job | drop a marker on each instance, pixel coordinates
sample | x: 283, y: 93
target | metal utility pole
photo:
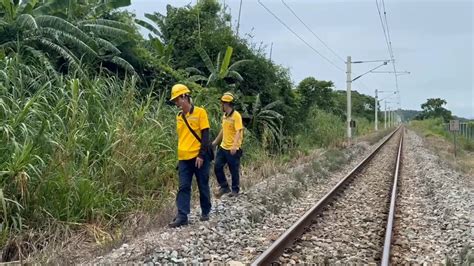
x: 376, y: 110
x: 349, y: 82
x: 389, y: 117
x: 271, y: 51
x: 238, y: 21
x: 385, y: 116
x: 377, y: 101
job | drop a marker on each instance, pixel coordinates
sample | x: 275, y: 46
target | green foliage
x: 363, y: 106
x: 321, y: 129
x: 218, y: 72
x: 433, y: 108
x: 80, y: 151
x: 61, y: 45
x: 437, y: 127
x: 317, y: 93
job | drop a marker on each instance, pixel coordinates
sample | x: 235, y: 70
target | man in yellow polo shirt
x: 192, y: 126
x: 229, y: 152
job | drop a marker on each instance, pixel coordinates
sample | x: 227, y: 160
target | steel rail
x: 277, y: 248
x: 391, y: 214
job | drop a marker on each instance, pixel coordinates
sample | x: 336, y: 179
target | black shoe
x: 222, y: 192
x: 233, y: 194
x: 177, y: 223
x: 204, y: 217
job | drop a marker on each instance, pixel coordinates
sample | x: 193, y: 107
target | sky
x: 432, y: 39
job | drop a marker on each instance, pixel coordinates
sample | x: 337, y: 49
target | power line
x: 299, y: 37
x: 388, y: 40
x: 384, y: 31
x: 314, y: 34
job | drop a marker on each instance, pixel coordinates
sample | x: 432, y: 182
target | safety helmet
x: 227, y: 97
x: 178, y: 90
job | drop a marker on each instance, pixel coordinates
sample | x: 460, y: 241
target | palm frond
x: 148, y: 26
x: 212, y: 78
x: 3, y: 23
x: 104, y: 31
x: 205, y: 58
x: 68, y: 38
x: 193, y: 70
x: 26, y: 21
x: 158, y: 19
x: 62, y: 51
x: 196, y: 78
x: 42, y: 58
x: 218, y: 61
x: 237, y: 64
x: 122, y: 63
x: 11, y: 44
x: 63, y: 25
x: 235, y: 75
x: 107, y: 22
x: 272, y: 105
x: 225, y: 62
x: 271, y: 114
x: 107, y: 46
x: 256, y: 105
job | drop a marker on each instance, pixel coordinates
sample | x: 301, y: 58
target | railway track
x: 353, y: 222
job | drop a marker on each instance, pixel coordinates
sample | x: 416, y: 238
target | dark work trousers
x: 224, y: 157
x: 187, y: 169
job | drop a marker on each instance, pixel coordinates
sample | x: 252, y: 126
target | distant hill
x: 462, y: 119
x: 409, y: 114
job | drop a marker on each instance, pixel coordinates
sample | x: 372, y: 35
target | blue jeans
x: 187, y: 169
x: 224, y: 157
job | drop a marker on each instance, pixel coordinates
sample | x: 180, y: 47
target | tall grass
x: 79, y: 150
x: 321, y: 129
x: 435, y: 127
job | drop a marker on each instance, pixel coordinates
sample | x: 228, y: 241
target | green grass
x: 80, y: 150
x: 435, y: 127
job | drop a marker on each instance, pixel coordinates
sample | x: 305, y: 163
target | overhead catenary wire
x: 386, y: 31
x: 310, y: 30
x: 299, y: 37
x: 391, y: 49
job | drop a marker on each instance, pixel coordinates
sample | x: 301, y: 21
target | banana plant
x: 219, y: 71
x: 45, y: 38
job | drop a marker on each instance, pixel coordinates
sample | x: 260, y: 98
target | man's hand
x: 199, y: 162
x: 233, y: 150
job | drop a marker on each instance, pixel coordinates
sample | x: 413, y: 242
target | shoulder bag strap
x: 189, y: 127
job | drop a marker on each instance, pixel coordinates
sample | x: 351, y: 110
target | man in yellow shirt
x: 229, y: 152
x: 192, y: 126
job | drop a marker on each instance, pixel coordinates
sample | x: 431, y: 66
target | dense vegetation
x: 85, y: 134
x: 433, y: 108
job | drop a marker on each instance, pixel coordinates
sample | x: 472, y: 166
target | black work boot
x: 234, y: 194
x: 204, y: 217
x: 221, y: 192
x: 177, y: 222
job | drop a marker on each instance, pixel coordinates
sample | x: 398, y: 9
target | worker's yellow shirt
x: 188, y: 145
x: 230, y: 125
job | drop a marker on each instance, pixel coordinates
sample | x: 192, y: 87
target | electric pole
x: 385, y: 116
x: 376, y: 110
x: 271, y: 51
x: 238, y: 21
x: 349, y: 82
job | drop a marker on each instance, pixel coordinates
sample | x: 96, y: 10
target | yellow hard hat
x: 227, y: 97
x: 178, y: 90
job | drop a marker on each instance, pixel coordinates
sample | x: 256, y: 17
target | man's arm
x: 237, y: 137
x: 218, y: 139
